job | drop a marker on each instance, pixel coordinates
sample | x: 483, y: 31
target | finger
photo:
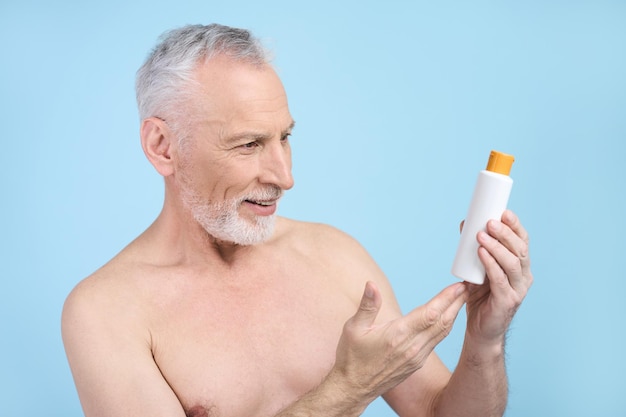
x: 461, y: 225
x: 512, y: 221
x: 499, y: 280
x: 439, y: 316
x: 369, y: 306
x: 514, y: 241
x: 440, y: 312
x: 506, y: 235
x: 450, y: 314
x: 511, y: 242
x: 504, y: 269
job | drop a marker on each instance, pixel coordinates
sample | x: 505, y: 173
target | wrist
x: 479, y: 350
x: 332, y: 398
x: 341, y: 398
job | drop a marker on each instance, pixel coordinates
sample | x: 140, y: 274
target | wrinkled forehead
x: 233, y: 96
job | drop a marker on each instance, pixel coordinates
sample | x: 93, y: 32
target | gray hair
x: 166, y: 79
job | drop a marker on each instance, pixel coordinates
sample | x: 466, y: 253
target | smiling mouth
x: 267, y: 197
x: 262, y: 203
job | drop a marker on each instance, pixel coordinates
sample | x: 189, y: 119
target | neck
x: 177, y: 239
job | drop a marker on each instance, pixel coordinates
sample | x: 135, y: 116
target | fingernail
x: 494, y: 225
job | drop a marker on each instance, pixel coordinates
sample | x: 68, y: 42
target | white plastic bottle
x: 491, y: 195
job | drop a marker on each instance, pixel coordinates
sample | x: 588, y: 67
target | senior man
x: 222, y: 308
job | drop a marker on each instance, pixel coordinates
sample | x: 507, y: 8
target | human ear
x: 156, y: 141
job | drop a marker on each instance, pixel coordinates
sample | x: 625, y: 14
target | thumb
x: 369, y: 307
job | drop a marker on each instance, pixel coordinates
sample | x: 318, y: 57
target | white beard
x: 222, y: 220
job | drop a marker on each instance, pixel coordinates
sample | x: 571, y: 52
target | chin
x: 244, y: 232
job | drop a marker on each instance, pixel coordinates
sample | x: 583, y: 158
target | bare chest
x: 249, y: 353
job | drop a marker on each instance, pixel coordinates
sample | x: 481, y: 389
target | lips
x: 262, y: 203
x: 261, y: 207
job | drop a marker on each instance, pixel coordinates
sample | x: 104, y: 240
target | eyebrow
x: 289, y: 128
x: 251, y: 135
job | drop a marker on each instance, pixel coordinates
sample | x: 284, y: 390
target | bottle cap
x: 500, y: 162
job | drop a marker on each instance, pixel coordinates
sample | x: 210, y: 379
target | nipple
x: 197, y: 411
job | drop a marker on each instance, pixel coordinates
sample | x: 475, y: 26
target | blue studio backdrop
x: 398, y: 105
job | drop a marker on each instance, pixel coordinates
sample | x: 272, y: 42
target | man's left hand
x: 504, y: 252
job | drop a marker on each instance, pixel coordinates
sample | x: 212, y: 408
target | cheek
x: 215, y: 178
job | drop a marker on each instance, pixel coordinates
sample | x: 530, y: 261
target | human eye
x: 250, y: 145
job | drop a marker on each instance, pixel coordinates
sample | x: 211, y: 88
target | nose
x: 276, y: 165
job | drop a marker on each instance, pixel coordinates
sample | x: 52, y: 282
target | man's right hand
x: 373, y: 358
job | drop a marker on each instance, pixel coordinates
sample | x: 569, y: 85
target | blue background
x: 397, y: 107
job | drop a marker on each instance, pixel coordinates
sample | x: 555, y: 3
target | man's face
x: 236, y: 163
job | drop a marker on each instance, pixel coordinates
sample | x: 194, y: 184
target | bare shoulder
x: 322, y: 237
x: 341, y: 254
x: 104, y: 299
x: 108, y: 345
x: 327, y: 244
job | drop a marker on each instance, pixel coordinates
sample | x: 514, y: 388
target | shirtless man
x: 221, y: 308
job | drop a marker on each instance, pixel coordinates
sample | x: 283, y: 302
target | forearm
x: 478, y: 385
x: 332, y: 398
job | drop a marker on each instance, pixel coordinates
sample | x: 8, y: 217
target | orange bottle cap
x: 500, y: 162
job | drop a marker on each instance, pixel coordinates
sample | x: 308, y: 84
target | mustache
x: 272, y: 192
